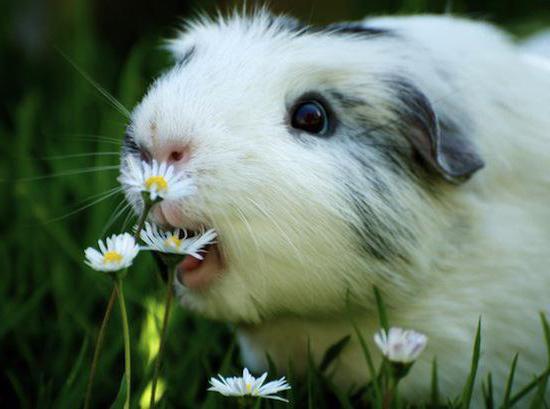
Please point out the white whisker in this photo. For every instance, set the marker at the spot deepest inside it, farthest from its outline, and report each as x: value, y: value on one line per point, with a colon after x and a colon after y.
x: 104, y: 196
x: 80, y: 155
x: 114, y: 102
x: 119, y: 211
x: 270, y: 217
x: 71, y: 172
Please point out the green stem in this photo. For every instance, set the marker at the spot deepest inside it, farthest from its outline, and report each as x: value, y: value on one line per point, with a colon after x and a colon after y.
x: 142, y: 219
x: 126, y: 331
x: 107, y: 316
x: 169, y: 297
x: 98, y: 344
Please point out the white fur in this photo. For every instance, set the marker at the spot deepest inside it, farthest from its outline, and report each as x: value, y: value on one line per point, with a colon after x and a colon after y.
x: 282, y: 207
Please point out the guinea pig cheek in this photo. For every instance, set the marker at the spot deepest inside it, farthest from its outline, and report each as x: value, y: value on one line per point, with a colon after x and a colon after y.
x: 197, y: 274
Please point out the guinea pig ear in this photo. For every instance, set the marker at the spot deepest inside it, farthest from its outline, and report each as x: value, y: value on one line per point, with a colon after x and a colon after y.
x: 440, y: 142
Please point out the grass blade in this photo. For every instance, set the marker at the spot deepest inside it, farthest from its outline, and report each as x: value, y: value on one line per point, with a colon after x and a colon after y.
x: 469, y: 386
x: 528, y: 388
x: 121, y: 396
x: 546, y: 330
x: 509, y: 382
x: 434, y: 394
x: 374, y: 377
x: 382, y: 315
x: 333, y: 352
x: 487, y: 389
x: 538, y: 400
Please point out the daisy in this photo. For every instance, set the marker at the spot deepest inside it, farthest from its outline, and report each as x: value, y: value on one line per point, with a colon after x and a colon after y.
x: 247, y: 385
x: 176, y: 241
x: 399, y: 345
x: 159, y: 180
x: 118, y: 253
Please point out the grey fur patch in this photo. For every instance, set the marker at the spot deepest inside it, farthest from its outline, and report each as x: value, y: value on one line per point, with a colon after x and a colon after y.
x: 443, y: 145
x: 185, y: 58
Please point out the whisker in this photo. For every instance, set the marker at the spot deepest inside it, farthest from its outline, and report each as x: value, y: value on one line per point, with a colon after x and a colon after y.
x: 128, y: 218
x: 92, y: 138
x: 119, y: 211
x: 85, y: 137
x: 114, y: 102
x: 80, y: 155
x: 110, y: 193
x: 270, y: 217
x: 71, y: 172
x: 244, y: 220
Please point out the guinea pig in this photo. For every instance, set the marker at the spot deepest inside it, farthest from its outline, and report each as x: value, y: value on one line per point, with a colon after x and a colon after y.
x: 407, y: 153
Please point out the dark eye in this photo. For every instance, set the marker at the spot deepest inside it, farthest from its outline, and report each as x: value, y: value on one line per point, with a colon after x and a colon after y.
x: 311, y: 117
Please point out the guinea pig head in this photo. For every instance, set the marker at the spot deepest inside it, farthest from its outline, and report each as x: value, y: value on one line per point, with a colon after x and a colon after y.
x: 312, y: 153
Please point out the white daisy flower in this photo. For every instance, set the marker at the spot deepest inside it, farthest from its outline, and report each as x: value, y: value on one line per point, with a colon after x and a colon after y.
x: 158, y: 179
x: 247, y: 385
x: 170, y: 241
x: 399, y: 345
x: 118, y: 253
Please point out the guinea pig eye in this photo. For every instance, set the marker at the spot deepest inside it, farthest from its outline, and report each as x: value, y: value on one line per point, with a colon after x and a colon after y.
x: 311, y: 117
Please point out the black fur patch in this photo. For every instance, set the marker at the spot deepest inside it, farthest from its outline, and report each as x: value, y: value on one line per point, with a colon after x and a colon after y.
x: 347, y: 101
x: 129, y: 146
x: 355, y: 28
x: 290, y: 24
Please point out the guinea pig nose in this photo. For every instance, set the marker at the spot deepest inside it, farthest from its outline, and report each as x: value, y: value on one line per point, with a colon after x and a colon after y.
x: 176, y: 156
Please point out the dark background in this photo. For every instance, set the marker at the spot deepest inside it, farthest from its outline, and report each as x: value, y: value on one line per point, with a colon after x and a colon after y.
x: 50, y: 303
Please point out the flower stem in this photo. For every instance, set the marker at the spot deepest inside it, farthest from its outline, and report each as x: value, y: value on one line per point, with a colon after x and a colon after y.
x: 169, y: 297
x: 107, y: 316
x: 126, y: 332
x: 98, y: 344
x: 142, y: 218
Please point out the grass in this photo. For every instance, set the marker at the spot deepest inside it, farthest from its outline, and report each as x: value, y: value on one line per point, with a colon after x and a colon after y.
x: 51, y: 305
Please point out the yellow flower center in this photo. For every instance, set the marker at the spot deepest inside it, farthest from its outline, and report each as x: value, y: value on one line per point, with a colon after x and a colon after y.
x: 248, y: 388
x: 112, y: 257
x: 157, y: 182
x: 172, y: 241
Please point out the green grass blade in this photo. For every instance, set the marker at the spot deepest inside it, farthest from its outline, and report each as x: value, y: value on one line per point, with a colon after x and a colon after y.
x: 538, y: 400
x: 121, y: 396
x: 333, y: 352
x: 470, y: 382
x: 382, y: 314
x: 434, y: 394
x: 14, y: 318
x: 488, y: 396
x: 528, y: 388
x: 509, y: 382
x: 546, y: 330
x: 271, y: 366
x: 374, y: 377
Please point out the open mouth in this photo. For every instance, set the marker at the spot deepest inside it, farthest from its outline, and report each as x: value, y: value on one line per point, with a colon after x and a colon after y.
x: 193, y: 273
x: 197, y: 274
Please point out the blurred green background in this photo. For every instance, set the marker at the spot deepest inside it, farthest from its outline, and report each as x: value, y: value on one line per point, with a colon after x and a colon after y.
x: 54, y: 122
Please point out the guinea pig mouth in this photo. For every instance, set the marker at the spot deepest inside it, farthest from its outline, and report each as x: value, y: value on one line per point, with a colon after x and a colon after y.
x: 199, y: 274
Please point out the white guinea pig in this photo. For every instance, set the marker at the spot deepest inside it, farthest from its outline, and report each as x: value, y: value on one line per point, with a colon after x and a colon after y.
x: 409, y: 153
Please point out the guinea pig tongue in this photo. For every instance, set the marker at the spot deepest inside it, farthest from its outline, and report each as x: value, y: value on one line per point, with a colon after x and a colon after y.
x: 190, y: 263
x: 198, y: 274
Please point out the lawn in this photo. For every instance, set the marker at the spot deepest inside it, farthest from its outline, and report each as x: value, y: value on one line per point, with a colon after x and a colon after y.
x: 60, y: 141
